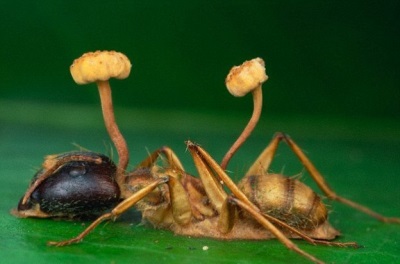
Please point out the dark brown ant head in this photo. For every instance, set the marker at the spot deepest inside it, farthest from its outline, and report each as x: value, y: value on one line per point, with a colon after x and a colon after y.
x: 71, y: 185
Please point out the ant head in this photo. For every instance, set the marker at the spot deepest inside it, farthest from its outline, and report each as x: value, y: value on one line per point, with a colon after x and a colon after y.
x: 74, y: 187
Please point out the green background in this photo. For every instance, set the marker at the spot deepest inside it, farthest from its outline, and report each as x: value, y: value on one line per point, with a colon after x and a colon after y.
x: 322, y: 56
x: 334, y: 87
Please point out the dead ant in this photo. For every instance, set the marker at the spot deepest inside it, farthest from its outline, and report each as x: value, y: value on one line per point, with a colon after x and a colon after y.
x: 260, y: 206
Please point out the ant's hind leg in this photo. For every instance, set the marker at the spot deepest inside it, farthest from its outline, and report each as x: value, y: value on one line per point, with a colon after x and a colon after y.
x: 211, y: 173
x: 323, y: 185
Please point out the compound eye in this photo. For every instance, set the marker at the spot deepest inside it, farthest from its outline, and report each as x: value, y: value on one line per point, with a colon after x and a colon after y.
x: 77, y: 171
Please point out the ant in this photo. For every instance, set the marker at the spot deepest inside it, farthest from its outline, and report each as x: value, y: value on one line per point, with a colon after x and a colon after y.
x: 261, y: 206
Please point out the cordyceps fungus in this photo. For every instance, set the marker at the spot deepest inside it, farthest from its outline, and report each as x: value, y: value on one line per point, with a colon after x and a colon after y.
x: 99, y: 67
x: 241, y: 80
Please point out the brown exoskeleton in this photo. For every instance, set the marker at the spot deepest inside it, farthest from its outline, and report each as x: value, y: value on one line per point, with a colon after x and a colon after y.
x: 260, y: 206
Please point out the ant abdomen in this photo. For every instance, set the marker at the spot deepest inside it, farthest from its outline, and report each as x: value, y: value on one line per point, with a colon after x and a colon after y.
x: 287, y: 199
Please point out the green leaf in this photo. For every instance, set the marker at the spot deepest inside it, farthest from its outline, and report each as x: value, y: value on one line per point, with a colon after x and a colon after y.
x: 359, y: 164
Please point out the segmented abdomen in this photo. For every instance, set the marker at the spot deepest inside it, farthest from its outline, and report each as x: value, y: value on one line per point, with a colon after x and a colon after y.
x: 284, y: 198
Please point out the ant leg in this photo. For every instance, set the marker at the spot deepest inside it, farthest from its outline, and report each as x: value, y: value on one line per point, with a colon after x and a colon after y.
x: 262, y: 163
x: 207, y: 166
x: 172, y: 159
x: 323, y: 185
x: 180, y: 205
x: 213, y: 189
x: 117, y: 211
x: 211, y: 185
x: 53, y: 162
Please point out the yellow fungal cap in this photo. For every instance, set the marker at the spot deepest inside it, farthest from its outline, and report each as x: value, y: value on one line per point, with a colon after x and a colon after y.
x: 100, y: 66
x: 246, y: 77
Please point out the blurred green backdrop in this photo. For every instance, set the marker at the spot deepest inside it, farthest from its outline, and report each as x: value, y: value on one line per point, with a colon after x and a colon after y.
x: 323, y: 57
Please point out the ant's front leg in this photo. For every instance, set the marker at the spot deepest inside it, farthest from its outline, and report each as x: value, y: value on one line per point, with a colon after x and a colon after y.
x: 117, y: 211
x: 172, y: 159
x: 179, y: 203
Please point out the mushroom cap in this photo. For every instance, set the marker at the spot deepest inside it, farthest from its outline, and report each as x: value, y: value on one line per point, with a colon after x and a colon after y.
x: 246, y: 77
x: 100, y: 66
